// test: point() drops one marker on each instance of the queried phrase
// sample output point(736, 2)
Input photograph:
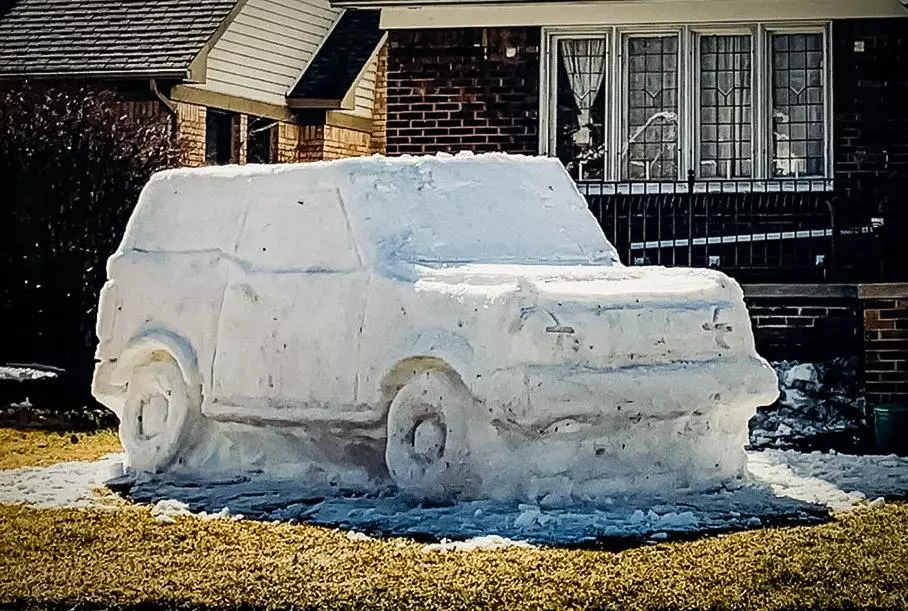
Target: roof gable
point(340, 60)
point(113, 38)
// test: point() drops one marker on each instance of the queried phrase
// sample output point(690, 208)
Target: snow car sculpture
point(458, 324)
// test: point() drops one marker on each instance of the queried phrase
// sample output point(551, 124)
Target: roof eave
point(177, 74)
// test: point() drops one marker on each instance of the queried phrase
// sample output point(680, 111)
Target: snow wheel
point(427, 447)
point(159, 411)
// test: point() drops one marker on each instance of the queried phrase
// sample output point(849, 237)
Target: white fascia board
point(632, 12)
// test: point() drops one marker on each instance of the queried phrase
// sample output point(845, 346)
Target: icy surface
point(456, 325)
point(816, 400)
point(788, 488)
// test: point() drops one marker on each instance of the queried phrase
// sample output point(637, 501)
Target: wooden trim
point(316, 103)
point(349, 101)
point(345, 121)
point(200, 97)
point(614, 12)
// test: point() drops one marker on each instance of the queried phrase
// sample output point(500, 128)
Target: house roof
point(340, 60)
point(107, 38)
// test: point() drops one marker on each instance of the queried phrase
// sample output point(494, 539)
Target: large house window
point(261, 140)
point(726, 103)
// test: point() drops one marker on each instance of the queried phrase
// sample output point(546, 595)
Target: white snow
point(21, 373)
point(818, 402)
point(789, 488)
point(287, 318)
point(486, 543)
point(67, 484)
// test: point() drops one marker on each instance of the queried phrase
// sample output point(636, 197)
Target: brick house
point(236, 80)
point(768, 139)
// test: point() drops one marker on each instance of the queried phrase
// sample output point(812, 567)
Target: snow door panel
point(287, 344)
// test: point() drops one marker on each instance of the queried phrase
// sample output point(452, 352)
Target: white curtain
point(584, 60)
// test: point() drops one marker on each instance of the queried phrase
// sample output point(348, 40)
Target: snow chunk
point(25, 373)
point(486, 543)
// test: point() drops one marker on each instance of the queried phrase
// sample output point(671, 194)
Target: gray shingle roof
point(106, 37)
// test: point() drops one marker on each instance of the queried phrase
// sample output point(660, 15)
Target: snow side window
point(218, 137)
point(740, 102)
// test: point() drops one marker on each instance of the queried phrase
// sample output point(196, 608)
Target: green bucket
point(890, 428)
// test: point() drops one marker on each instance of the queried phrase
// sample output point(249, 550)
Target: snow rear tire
point(427, 450)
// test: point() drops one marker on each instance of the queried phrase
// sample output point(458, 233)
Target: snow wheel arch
point(160, 409)
point(427, 447)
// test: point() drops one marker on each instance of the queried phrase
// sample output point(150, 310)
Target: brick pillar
point(242, 124)
point(885, 342)
point(191, 122)
point(341, 142)
point(380, 103)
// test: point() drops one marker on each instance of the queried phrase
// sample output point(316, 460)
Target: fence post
point(690, 218)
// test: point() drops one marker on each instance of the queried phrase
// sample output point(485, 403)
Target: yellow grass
point(123, 557)
point(41, 448)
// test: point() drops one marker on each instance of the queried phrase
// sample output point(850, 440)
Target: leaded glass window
point(798, 105)
point(725, 107)
point(650, 150)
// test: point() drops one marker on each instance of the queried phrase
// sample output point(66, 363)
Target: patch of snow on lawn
point(789, 488)
point(68, 484)
point(488, 542)
point(24, 373)
point(838, 481)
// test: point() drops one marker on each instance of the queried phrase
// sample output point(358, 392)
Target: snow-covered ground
point(816, 400)
point(788, 488)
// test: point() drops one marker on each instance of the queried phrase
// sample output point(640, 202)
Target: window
point(219, 147)
point(261, 135)
point(726, 103)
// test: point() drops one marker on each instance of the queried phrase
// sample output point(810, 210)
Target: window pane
point(218, 137)
point(580, 119)
point(650, 150)
point(260, 140)
point(725, 107)
point(798, 102)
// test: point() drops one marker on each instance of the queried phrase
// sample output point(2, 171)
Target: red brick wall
point(886, 346)
point(456, 89)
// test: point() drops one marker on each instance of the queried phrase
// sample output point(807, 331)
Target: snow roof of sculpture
point(492, 208)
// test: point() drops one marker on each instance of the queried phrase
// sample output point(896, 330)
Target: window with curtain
point(728, 102)
point(581, 100)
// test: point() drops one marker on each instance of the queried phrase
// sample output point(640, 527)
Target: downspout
point(169, 105)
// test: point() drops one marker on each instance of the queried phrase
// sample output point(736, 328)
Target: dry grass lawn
point(124, 558)
point(41, 448)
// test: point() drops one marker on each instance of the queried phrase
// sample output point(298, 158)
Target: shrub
point(73, 160)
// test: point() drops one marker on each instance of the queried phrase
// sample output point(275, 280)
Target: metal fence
point(756, 230)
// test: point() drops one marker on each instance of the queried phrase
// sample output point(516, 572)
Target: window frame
point(615, 93)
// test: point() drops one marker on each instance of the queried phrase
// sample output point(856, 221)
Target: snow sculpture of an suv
point(459, 325)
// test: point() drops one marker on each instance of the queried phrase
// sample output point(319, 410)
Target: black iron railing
point(756, 230)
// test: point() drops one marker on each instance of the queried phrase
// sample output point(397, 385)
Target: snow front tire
point(158, 414)
point(427, 450)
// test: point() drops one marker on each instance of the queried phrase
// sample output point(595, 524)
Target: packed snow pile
point(23, 373)
point(788, 488)
point(457, 327)
point(816, 400)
